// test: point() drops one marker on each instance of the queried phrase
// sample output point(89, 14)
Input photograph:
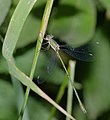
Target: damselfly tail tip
point(83, 108)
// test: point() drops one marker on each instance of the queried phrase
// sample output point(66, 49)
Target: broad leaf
point(97, 85)
point(74, 21)
point(4, 8)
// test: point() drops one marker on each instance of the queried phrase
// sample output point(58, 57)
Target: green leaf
point(31, 26)
point(74, 21)
point(39, 3)
point(8, 109)
point(3, 65)
point(19, 96)
point(24, 61)
point(4, 8)
point(29, 32)
point(97, 85)
point(15, 2)
point(38, 110)
point(105, 3)
point(79, 115)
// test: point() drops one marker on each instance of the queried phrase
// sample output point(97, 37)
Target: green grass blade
point(44, 23)
point(17, 21)
point(14, 71)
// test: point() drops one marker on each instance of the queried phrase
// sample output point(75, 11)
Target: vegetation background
point(74, 22)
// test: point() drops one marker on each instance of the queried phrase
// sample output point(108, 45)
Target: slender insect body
point(56, 47)
point(52, 42)
point(82, 53)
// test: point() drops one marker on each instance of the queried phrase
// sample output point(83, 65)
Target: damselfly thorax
point(55, 46)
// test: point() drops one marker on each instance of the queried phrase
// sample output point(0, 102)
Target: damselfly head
point(49, 37)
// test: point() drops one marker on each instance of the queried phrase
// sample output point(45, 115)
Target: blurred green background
point(74, 22)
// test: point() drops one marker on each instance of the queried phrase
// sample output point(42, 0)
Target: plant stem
point(77, 96)
point(59, 96)
point(44, 23)
point(70, 89)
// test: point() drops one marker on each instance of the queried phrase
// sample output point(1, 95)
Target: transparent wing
point(49, 69)
point(51, 64)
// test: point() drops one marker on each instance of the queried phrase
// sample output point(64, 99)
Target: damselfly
point(79, 53)
point(82, 53)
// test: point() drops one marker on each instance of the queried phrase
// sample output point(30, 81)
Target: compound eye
point(51, 36)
